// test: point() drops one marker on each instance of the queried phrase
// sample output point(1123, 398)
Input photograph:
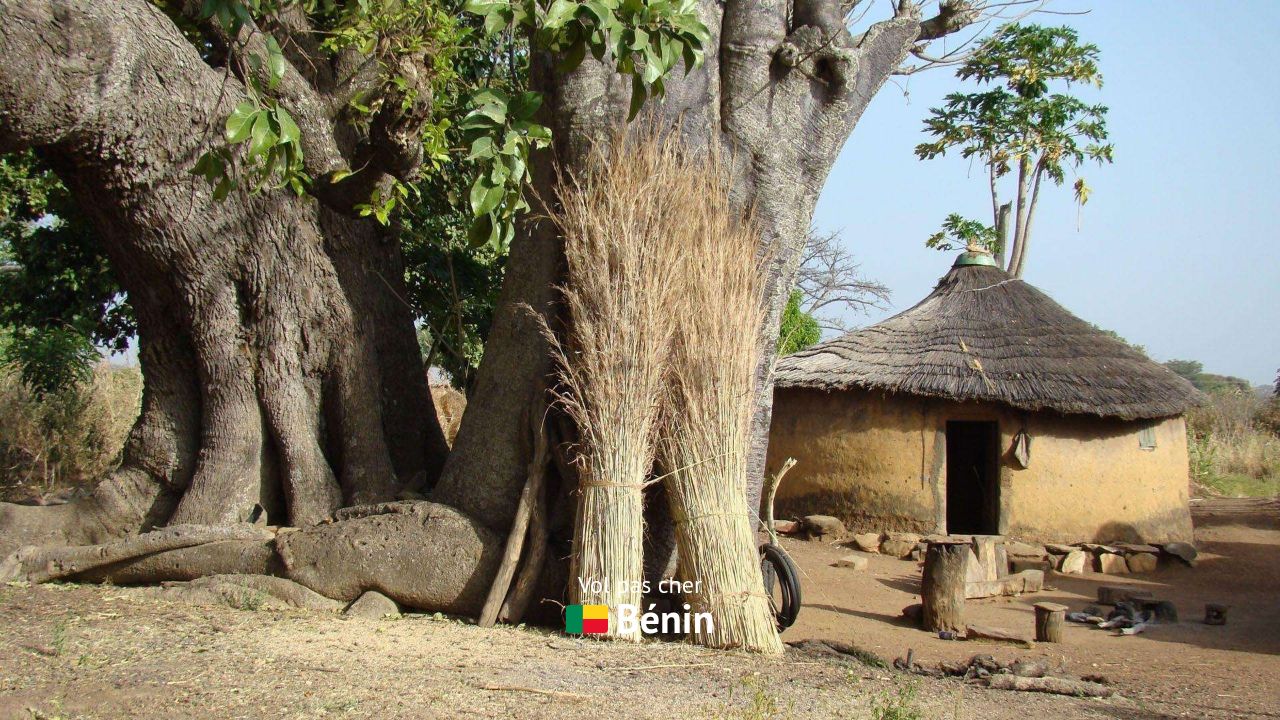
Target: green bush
point(67, 438)
point(1233, 445)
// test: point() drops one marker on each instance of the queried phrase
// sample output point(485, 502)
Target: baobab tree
point(282, 374)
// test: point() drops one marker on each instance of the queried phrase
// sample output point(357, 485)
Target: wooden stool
point(1049, 621)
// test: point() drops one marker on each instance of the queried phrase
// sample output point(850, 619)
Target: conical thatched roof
point(986, 336)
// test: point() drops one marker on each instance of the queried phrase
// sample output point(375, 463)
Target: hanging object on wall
point(1022, 449)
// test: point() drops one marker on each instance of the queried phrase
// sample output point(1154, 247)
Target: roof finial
point(975, 254)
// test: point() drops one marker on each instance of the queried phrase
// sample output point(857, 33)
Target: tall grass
point(615, 219)
point(64, 440)
point(1234, 446)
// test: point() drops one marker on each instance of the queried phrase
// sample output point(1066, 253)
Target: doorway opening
point(973, 477)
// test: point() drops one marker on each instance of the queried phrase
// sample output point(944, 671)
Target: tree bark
point(778, 95)
point(280, 365)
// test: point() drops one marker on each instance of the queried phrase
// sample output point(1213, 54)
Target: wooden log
point(984, 632)
point(1052, 685)
point(943, 587)
point(1050, 618)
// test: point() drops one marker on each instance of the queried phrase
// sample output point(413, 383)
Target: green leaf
point(261, 136)
point(573, 57)
point(275, 62)
point(560, 12)
point(480, 230)
point(637, 97)
point(525, 105)
point(289, 132)
point(482, 148)
point(240, 121)
point(484, 196)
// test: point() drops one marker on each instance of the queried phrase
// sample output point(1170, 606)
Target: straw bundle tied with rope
point(707, 406)
point(614, 218)
point(664, 305)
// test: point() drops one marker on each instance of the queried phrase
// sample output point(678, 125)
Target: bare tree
point(831, 282)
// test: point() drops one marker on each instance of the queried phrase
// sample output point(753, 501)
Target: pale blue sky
point(1177, 249)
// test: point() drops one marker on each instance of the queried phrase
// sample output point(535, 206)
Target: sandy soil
point(69, 651)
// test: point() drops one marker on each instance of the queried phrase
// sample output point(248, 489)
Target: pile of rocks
point(1112, 559)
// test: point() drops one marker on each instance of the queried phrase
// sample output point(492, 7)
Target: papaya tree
point(1021, 129)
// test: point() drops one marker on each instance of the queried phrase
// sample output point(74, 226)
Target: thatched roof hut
point(884, 418)
point(982, 335)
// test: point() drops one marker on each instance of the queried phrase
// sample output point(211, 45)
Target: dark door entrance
point(973, 478)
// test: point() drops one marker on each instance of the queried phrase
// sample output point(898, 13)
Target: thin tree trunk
point(1026, 228)
point(1024, 168)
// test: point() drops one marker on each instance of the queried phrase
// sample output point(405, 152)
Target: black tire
point(778, 568)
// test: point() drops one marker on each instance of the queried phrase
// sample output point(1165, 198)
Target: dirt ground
point(74, 651)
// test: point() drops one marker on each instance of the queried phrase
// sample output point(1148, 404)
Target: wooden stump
point(1050, 618)
point(942, 589)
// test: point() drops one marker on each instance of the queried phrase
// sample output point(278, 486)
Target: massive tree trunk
point(280, 366)
point(781, 89)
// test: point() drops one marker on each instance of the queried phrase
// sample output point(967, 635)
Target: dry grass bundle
point(719, 311)
point(614, 218)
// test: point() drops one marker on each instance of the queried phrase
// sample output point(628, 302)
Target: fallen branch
point(1050, 685)
point(771, 491)
point(535, 691)
point(530, 572)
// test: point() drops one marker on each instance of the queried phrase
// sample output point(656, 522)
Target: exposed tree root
point(420, 554)
point(41, 564)
point(249, 592)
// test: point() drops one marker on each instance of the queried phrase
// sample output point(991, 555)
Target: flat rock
point(1032, 580)
point(823, 525)
point(1142, 562)
point(786, 527)
point(1073, 563)
point(1137, 548)
point(1186, 552)
point(897, 548)
point(1018, 564)
point(1095, 548)
point(867, 542)
point(372, 605)
point(853, 562)
point(1111, 564)
point(1057, 549)
point(1021, 549)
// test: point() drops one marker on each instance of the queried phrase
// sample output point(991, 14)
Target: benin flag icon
point(586, 619)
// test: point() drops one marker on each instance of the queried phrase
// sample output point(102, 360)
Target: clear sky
point(1178, 246)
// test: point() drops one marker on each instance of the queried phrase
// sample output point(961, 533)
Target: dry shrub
point(1233, 447)
point(450, 404)
point(614, 218)
point(64, 440)
point(718, 311)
